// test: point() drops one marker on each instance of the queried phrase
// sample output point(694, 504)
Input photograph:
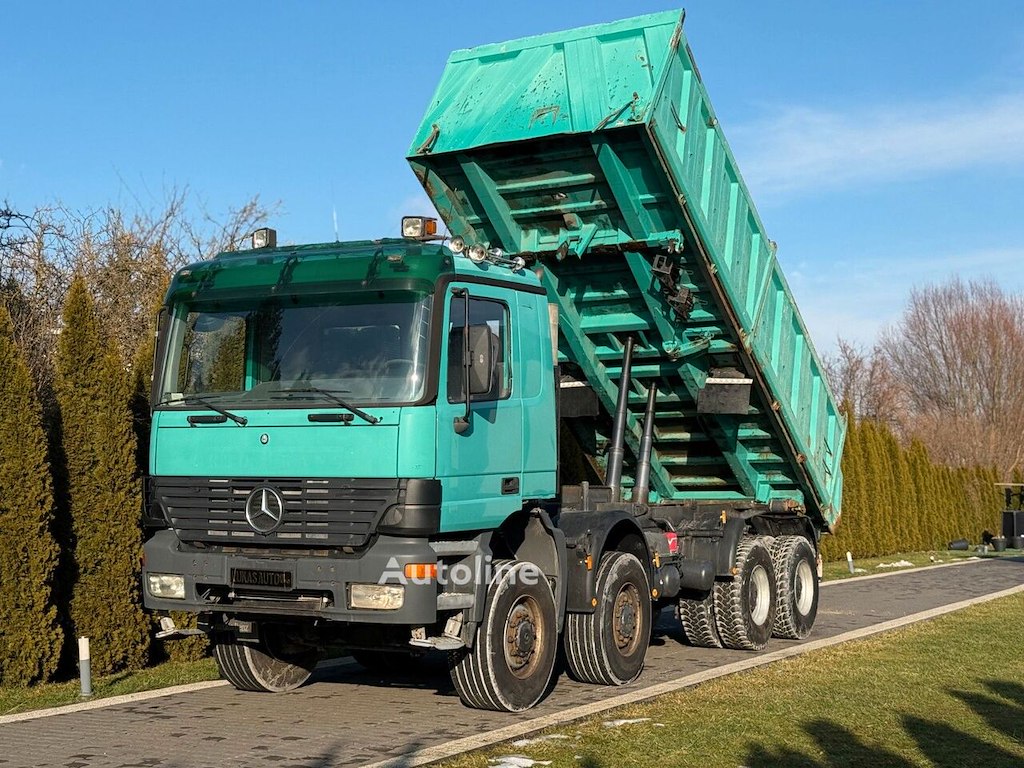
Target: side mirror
point(470, 349)
point(481, 362)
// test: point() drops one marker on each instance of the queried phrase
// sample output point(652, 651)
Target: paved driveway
point(347, 716)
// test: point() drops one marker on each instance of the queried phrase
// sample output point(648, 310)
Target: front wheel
point(273, 663)
point(513, 655)
point(796, 574)
point(608, 646)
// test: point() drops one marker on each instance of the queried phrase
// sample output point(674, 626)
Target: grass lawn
point(170, 673)
point(947, 692)
point(839, 569)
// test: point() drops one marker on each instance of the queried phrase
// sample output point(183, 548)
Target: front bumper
point(319, 585)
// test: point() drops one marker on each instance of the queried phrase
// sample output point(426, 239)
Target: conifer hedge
point(895, 499)
point(99, 445)
point(194, 647)
point(30, 635)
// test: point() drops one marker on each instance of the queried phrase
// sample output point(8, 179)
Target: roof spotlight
point(419, 227)
point(264, 237)
point(457, 245)
point(477, 253)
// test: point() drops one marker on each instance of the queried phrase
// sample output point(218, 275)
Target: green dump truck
point(591, 399)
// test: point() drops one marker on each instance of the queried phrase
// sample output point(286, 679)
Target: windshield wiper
point(240, 420)
point(330, 394)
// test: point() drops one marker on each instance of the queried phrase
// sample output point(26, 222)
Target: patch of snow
point(516, 761)
point(618, 723)
point(659, 725)
point(896, 564)
point(972, 557)
point(860, 570)
point(539, 740)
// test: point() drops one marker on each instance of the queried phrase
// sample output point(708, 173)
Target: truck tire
point(509, 667)
point(796, 577)
point(745, 607)
point(268, 666)
point(698, 620)
point(608, 646)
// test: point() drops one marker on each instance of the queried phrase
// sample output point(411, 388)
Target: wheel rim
point(760, 595)
point(803, 588)
point(626, 614)
point(524, 637)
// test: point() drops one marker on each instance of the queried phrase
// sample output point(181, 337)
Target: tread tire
point(745, 607)
point(698, 620)
point(482, 675)
point(592, 653)
point(795, 571)
point(262, 666)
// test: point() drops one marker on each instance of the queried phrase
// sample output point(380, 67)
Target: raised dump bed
point(596, 155)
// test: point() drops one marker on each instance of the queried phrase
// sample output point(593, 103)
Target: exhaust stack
point(642, 487)
point(615, 453)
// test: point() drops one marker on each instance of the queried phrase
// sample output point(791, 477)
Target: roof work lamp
point(419, 227)
point(265, 237)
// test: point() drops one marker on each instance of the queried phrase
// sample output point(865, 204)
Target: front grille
point(318, 512)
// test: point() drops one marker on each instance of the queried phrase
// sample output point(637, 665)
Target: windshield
point(366, 349)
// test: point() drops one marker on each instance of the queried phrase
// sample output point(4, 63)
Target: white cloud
point(416, 204)
point(803, 149)
point(857, 299)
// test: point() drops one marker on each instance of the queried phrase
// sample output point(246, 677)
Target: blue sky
point(883, 142)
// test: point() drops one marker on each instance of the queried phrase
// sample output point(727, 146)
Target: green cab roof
point(391, 263)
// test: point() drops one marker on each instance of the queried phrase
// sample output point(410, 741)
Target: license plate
point(248, 577)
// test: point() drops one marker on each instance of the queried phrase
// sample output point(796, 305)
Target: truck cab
point(311, 424)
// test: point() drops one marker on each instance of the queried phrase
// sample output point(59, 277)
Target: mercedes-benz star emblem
point(264, 510)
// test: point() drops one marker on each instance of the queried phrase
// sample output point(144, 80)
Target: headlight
point(376, 597)
point(166, 585)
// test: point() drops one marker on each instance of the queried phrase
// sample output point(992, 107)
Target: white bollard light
point(84, 667)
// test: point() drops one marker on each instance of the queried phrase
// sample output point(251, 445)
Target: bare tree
point(958, 352)
point(125, 260)
point(863, 380)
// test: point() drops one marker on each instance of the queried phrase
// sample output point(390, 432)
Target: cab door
point(481, 467)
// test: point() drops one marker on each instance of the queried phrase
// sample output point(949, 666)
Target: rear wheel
point(796, 575)
point(513, 655)
point(745, 607)
point(698, 619)
point(608, 646)
point(274, 663)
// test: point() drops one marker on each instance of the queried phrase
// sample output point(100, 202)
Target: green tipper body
point(595, 154)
